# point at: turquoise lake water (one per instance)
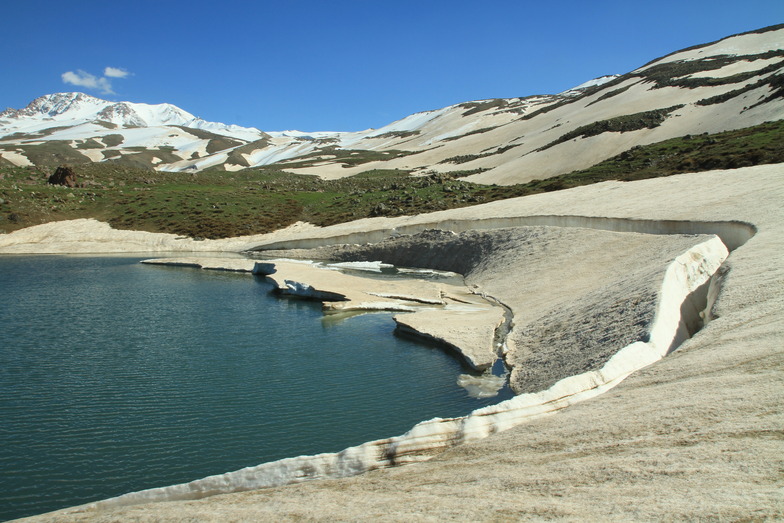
(117, 376)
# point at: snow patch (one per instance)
(745, 44)
(16, 158)
(410, 123)
(590, 83)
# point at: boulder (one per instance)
(63, 176)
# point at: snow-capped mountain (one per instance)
(78, 108)
(54, 105)
(733, 83)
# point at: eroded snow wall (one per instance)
(732, 233)
(686, 274)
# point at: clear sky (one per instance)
(342, 65)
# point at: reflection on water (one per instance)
(117, 376)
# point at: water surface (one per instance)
(117, 376)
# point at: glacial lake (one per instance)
(117, 376)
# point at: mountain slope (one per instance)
(730, 84)
(734, 83)
(78, 128)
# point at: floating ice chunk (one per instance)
(484, 386)
(303, 290)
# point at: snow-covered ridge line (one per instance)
(750, 42)
(684, 275)
(72, 109)
(590, 83)
(75, 108)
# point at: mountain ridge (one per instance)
(732, 83)
(83, 108)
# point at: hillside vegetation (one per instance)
(216, 204)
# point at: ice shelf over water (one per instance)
(688, 272)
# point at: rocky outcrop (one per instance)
(64, 175)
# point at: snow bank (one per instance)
(687, 273)
(732, 233)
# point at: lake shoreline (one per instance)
(740, 197)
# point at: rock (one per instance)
(379, 210)
(64, 175)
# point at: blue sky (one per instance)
(342, 65)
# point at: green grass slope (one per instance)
(217, 204)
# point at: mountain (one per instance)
(74, 109)
(733, 83)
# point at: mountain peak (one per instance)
(76, 108)
(51, 105)
(80, 106)
(57, 116)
